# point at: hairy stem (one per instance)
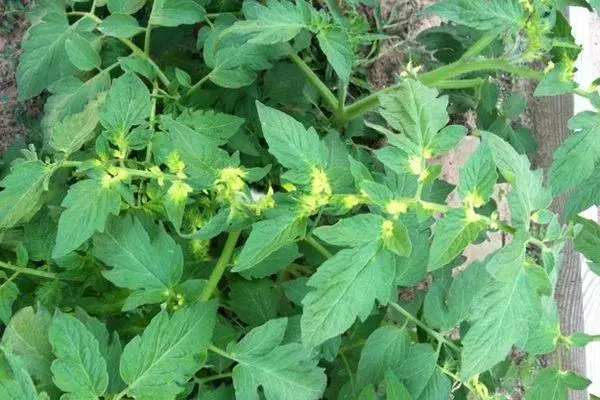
(28, 271)
(211, 378)
(318, 246)
(327, 95)
(221, 352)
(151, 120)
(221, 265)
(436, 335)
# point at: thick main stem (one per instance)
(219, 270)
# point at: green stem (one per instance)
(538, 243)
(480, 45)
(147, 40)
(201, 381)
(438, 336)
(460, 83)
(139, 52)
(197, 85)
(221, 265)
(220, 352)
(457, 379)
(10, 279)
(594, 338)
(506, 228)
(28, 271)
(327, 95)
(318, 246)
(367, 103)
(151, 121)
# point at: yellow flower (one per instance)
(396, 207)
(387, 229)
(179, 191)
(414, 165)
(320, 183)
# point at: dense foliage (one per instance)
(216, 205)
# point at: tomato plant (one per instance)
(216, 204)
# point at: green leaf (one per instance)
(44, 60)
(559, 80)
(575, 381)
(22, 194)
(127, 104)
(274, 263)
(447, 139)
(452, 235)
(394, 388)
(75, 130)
(81, 53)
(584, 195)
(579, 152)
(587, 241)
(478, 177)
(88, 204)
(156, 364)
(175, 13)
(139, 65)
(396, 240)
(79, 368)
(345, 287)
(416, 111)
(355, 231)
(501, 315)
(278, 21)
(336, 46)
(293, 145)
(483, 15)
(16, 384)
(254, 302)
(418, 370)
(120, 25)
(267, 237)
(214, 125)
(548, 385)
(384, 350)
(125, 6)
(137, 260)
(284, 371)
(8, 294)
(27, 336)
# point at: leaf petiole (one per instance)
(222, 262)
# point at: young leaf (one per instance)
(334, 43)
(255, 302)
(88, 204)
(345, 287)
(293, 145)
(355, 231)
(416, 111)
(452, 235)
(120, 25)
(284, 371)
(81, 53)
(549, 385)
(557, 81)
(384, 350)
(395, 238)
(23, 190)
(79, 368)
(484, 15)
(175, 13)
(267, 237)
(127, 104)
(478, 177)
(164, 357)
(75, 130)
(278, 21)
(9, 292)
(138, 261)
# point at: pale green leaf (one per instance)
(139, 65)
(418, 370)
(137, 260)
(79, 368)
(394, 388)
(82, 53)
(274, 263)
(447, 139)
(277, 21)
(587, 241)
(22, 193)
(452, 235)
(267, 237)
(293, 145)
(478, 177)
(15, 384)
(501, 315)
(336, 46)
(285, 372)
(75, 130)
(27, 336)
(254, 302)
(120, 25)
(156, 364)
(125, 6)
(584, 195)
(558, 81)
(214, 125)
(484, 14)
(8, 294)
(355, 231)
(397, 240)
(88, 204)
(384, 350)
(345, 287)
(548, 385)
(176, 12)
(44, 60)
(416, 111)
(127, 104)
